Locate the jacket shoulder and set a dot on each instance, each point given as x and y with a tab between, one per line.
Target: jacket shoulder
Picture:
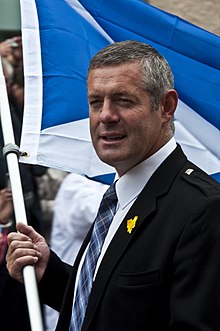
201	180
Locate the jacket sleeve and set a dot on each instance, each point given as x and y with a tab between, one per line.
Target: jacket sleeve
53	284
195	290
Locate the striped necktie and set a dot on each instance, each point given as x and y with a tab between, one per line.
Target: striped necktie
102	222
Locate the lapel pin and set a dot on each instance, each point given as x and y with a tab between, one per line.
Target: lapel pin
131	224
189	171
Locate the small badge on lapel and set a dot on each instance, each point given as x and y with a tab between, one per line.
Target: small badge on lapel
131	224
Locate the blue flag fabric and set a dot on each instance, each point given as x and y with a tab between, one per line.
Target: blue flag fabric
59	39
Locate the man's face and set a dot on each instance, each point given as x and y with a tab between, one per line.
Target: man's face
124	128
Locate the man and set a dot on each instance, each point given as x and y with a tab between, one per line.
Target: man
159	265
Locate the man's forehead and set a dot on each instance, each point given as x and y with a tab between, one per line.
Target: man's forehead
109	74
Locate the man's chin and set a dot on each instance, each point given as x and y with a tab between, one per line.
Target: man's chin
109	159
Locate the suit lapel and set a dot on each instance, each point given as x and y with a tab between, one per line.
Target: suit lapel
158	185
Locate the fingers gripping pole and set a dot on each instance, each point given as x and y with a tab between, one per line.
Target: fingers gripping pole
11	152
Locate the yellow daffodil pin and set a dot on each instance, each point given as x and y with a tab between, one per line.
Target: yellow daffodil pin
131	224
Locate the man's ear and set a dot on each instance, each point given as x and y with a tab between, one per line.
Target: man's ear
170	101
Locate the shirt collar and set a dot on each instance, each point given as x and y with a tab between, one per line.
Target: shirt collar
129	186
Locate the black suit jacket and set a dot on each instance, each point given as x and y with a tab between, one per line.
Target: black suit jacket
165	275
13	305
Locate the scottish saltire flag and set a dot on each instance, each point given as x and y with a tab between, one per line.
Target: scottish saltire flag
59	39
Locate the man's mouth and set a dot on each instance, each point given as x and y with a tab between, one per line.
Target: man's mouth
112	137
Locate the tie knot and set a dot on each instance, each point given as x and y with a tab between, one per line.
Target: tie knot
110	194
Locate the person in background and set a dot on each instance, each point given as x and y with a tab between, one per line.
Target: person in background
75	207
158	268
12	61
6	207
13	305
11	50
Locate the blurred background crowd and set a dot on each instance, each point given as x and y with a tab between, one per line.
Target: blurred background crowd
33	183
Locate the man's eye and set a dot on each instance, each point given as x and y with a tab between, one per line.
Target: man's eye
95	103
124	101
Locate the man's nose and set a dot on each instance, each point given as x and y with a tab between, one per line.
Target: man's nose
109	112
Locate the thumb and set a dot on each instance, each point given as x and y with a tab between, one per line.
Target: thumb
28	231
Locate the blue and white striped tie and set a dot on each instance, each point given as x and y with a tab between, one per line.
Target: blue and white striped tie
103	220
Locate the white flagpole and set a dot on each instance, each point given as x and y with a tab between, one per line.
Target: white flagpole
11	152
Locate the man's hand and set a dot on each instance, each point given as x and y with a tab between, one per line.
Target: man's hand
26	247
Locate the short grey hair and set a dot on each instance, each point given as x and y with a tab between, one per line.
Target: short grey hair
157	75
